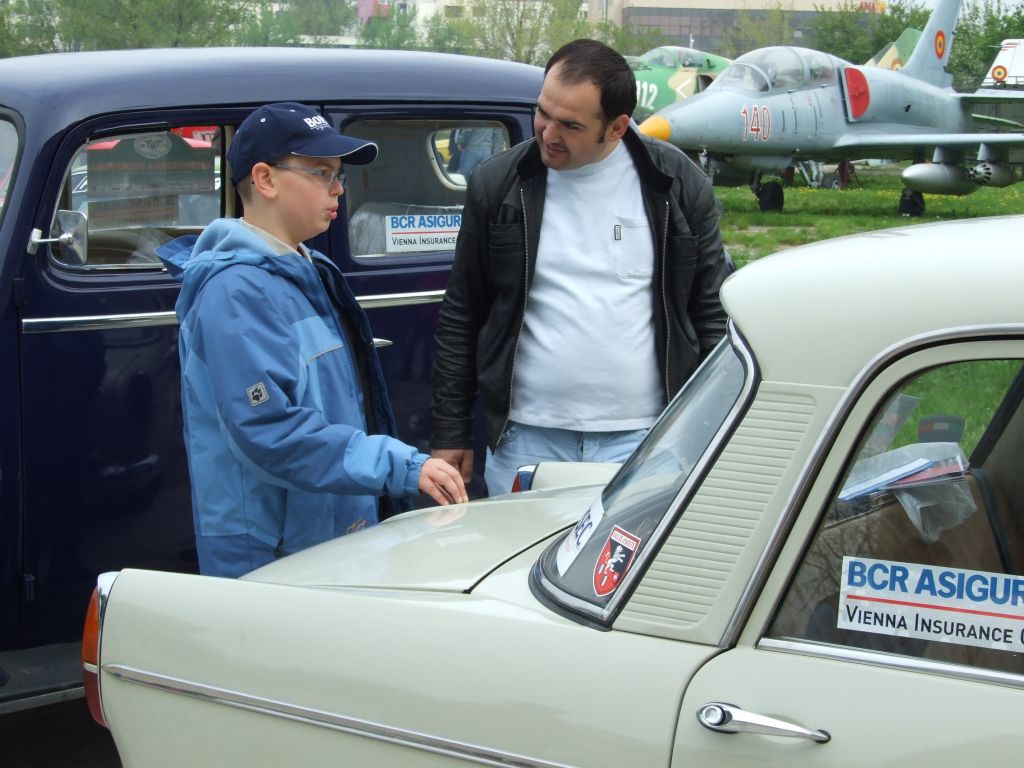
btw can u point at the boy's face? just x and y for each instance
(306, 203)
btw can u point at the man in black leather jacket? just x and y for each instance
(574, 323)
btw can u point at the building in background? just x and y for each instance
(702, 23)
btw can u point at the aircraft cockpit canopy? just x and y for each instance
(777, 69)
(672, 56)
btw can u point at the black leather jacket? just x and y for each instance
(482, 314)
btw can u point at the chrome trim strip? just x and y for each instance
(97, 322)
(819, 453)
(673, 511)
(880, 659)
(384, 300)
(152, 319)
(351, 725)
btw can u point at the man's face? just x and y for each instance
(571, 129)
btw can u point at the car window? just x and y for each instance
(138, 190)
(920, 551)
(408, 202)
(8, 153)
(586, 567)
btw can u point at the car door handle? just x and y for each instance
(381, 343)
(726, 718)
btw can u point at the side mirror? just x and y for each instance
(70, 230)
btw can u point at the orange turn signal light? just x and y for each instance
(91, 658)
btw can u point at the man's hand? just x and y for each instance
(441, 482)
(460, 458)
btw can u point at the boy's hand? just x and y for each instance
(442, 482)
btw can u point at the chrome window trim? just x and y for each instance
(892, 660)
(819, 453)
(674, 510)
(338, 722)
(153, 319)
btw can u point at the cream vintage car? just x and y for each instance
(815, 558)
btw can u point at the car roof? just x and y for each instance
(68, 87)
(820, 313)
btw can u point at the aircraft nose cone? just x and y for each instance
(656, 126)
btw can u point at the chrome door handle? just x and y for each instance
(381, 343)
(726, 718)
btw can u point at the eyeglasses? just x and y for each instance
(326, 176)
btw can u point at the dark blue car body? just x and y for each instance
(93, 474)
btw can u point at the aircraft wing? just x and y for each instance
(902, 142)
(992, 96)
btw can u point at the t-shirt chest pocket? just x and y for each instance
(633, 247)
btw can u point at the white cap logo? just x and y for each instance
(316, 123)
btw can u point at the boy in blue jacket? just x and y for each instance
(288, 428)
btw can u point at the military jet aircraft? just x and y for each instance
(670, 73)
(779, 106)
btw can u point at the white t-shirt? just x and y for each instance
(586, 359)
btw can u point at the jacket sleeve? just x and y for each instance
(702, 213)
(463, 313)
(254, 373)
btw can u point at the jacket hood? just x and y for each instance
(223, 244)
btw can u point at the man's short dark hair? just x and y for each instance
(591, 60)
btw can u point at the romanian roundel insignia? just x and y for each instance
(615, 559)
(999, 73)
(940, 44)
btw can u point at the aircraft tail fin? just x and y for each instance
(1008, 68)
(931, 54)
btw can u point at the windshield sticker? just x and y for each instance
(578, 536)
(951, 605)
(615, 559)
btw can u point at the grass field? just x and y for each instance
(817, 214)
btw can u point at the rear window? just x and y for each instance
(408, 202)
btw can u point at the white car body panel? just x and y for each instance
(431, 640)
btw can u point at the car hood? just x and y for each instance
(444, 549)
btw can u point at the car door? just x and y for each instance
(890, 630)
(104, 479)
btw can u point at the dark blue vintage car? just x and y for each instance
(104, 156)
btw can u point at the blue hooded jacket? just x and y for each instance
(273, 405)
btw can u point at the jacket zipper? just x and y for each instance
(522, 321)
(664, 301)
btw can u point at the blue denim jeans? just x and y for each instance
(522, 444)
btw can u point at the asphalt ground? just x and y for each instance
(57, 736)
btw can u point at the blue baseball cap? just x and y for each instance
(289, 128)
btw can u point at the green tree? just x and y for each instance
(322, 20)
(446, 35)
(267, 23)
(843, 32)
(112, 24)
(626, 40)
(511, 29)
(564, 24)
(983, 26)
(772, 25)
(396, 32)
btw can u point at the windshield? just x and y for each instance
(8, 153)
(777, 69)
(585, 568)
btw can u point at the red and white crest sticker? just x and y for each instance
(616, 557)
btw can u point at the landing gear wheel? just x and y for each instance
(911, 203)
(831, 181)
(770, 196)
